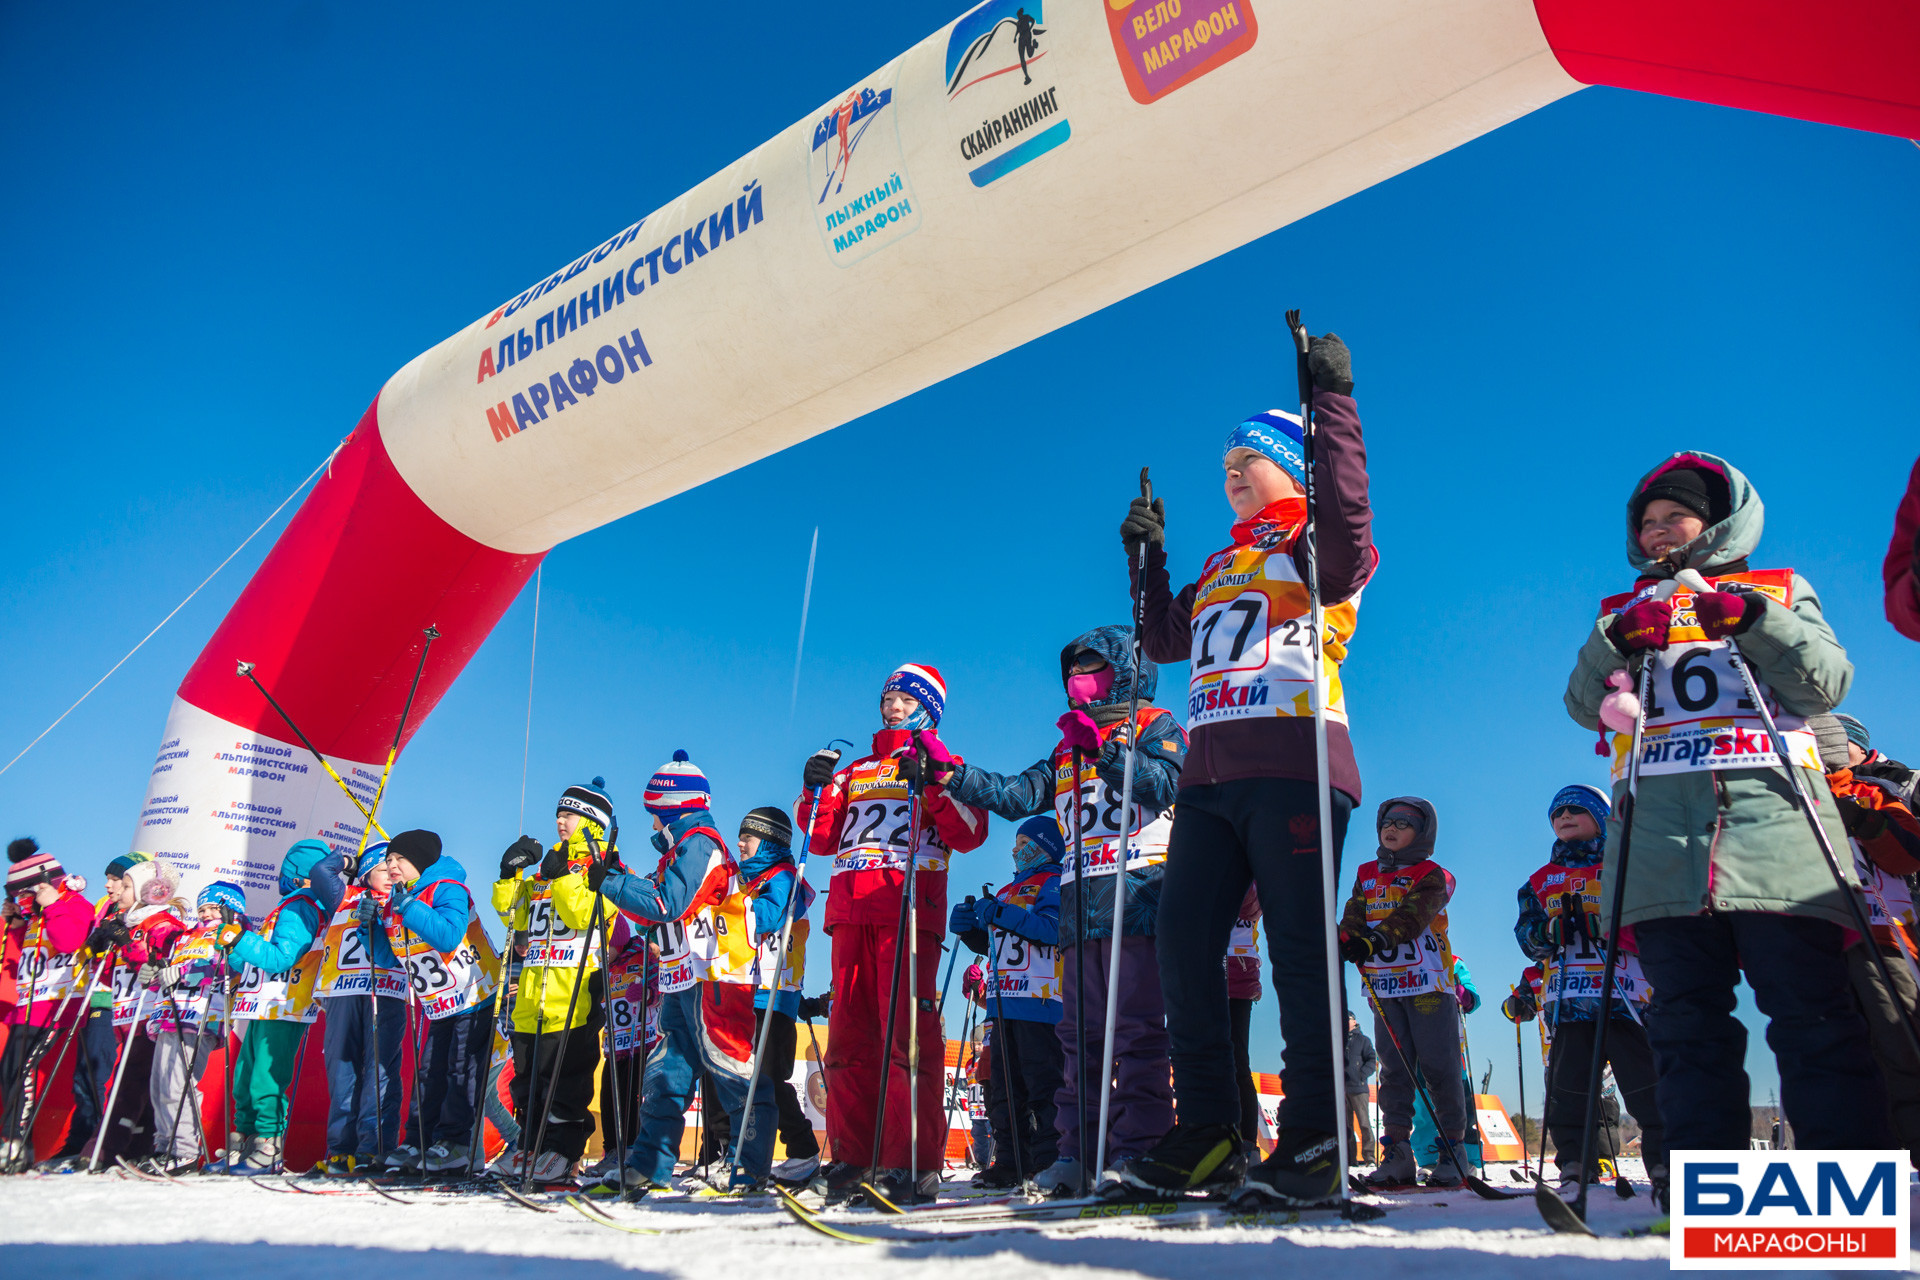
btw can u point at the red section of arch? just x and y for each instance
(334, 616)
(1855, 63)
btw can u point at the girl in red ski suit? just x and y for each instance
(862, 826)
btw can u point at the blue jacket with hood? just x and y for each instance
(299, 919)
(1156, 781)
(438, 916)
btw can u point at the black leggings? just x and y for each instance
(1242, 1014)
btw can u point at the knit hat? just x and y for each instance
(223, 893)
(770, 824)
(1856, 732)
(154, 883)
(370, 858)
(1276, 435)
(30, 866)
(1694, 488)
(918, 680)
(1582, 796)
(676, 788)
(421, 848)
(1405, 813)
(1044, 831)
(122, 864)
(1830, 738)
(589, 801)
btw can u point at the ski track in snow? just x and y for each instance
(109, 1227)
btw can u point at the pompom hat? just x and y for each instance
(678, 787)
(921, 682)
(590, 801)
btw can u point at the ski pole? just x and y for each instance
(913, 983)
(594, 922)
(619, 1153)
(960, 1088)
(1001, 1043)
(1552, 1070)
(1520, 1074)
(1080, 981)
(119, 1074)
(1474, 1183)
(477, 1148)
(1692, 581)
(946, 983)
(293, 1089)
(1557, 1213)
(773, 991)
(1120, 866)
(1329, 857)
(32, 1113)
(191, 1086)
(246, 669)
(893, 1010)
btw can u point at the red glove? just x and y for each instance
(1643, 625)
(1721, 613)
(1077, 729)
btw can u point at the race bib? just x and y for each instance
(446, 984)
(1413, 968)
(627, 992)
(769, 954)
(1582, 961)
(877, 834)
(1024, 970)
(677, 971)
(1245, 938)
(1700, 717)
(550, 943)
(126, 995)
(47, 976)
(279, 997)
(1252, 650)
(347, 964)
(1101, 831)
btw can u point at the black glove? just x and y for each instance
(1519, 1007)
(816, 1006)
(554, 865)
(369, 910)
(1146, 522)
(1360, 947)
(1861, 822)
(598, 871)
(109, 935)
(820, 767)
(520, 855)
(1331, 364)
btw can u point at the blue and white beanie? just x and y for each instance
(1276, 435)
(920, 681)
(1582, 796)
(223, 893)
(676, 789)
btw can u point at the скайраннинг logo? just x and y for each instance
(1790, 1210)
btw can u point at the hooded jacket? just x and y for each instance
(1726, 839)
(434, 909)
(1425, 899)
(1156, 781)
(296, 925)
(330, 882)
(547, 992)
(63, 925)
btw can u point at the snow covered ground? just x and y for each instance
(114, 1228)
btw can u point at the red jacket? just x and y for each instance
(861, 826)
(1903, 591)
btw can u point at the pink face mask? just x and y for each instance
(1089, 687)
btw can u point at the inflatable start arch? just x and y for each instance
(1031, 163)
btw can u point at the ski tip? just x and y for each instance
(1557, 1213)
(879, 1200)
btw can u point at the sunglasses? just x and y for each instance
(1564, 810)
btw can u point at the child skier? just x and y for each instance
(1560, 928)
(767, 866)
(363, 991)
(1395, 929)
(555, 1045)
(706, 983)
(864, 822)
(633, 1000)
(434, 929)
(278, 966)
(1018, 930)
(1097, 672)
(1249, 799)
(140, 938)
(188, 1019)
(1725, 876)
(1886, 852)
(46, 925)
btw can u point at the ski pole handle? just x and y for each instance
(1692, 581)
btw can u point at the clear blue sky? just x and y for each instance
(227, 225)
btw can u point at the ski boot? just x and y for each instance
(796, 1170)
(1448, 1175)
(261, 1155)
(834, 1183)
(902, 1188)
(1192, 1158)
(995, 1177)
(623, 1182)
(403, 1159)
(446, 1157)
(1397, 1169)
(550, 1167)
(509, 1164)
(1303, 1171)
(1657, 1175)
(1061, 1178)
(344, 1166)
